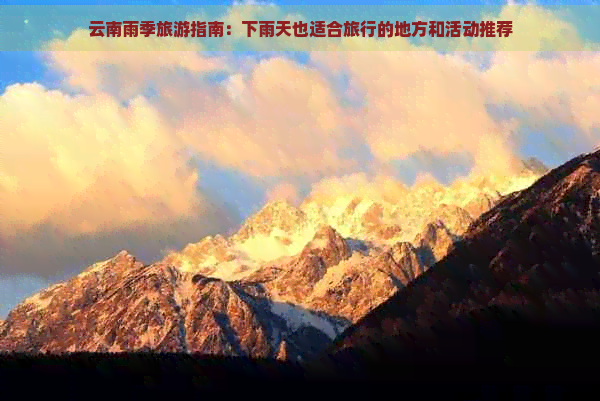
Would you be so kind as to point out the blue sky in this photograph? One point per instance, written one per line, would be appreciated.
(281, 2)
(551, 142)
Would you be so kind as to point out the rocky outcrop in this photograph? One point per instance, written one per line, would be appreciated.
(456, 219)
(122, 305)
(282, 353)
(480, 205)
(214, 248)
(298, 276)
(434, 242)
(277, 214)
(328, 246)
(402, 262)
(355, 293)
(534, 165)
(226, 296)
(363, 283)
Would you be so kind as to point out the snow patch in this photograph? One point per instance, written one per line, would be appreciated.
(95, 268)
(265, 248)
(186, 266)
(36, 299)
(517, 184)
(184, 290)
(209, 261)
(336, 274)
(339, 206)
(319, 243)
(233, 270)
(363, 206)
(297, 317)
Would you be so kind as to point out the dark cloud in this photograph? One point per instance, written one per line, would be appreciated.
(49, 253)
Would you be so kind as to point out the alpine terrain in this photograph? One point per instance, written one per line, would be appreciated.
(292, 279)
(525, 275)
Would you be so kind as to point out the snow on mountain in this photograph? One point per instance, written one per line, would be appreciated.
(124, 306)
(273, 246)
(287, 282)
(297, 317)
(282, 230)
(528, 265)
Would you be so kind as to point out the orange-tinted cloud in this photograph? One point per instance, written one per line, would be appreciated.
(86, 62)
(561, 88)
(284, 191)
(361, 185)
(282, 119)
(424, 101)
(88, 164)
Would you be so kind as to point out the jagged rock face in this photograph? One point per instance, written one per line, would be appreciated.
(327, 277)
(368, 282)
(326, 249)
(387, 231)
(215, 247)
(538, 247)
(374, 223)
(434, 242)
(218, 320)
(535, 166)
(480, 205)
(278, 214)
(328, 246)
(403, 262)
(372, 218)
(62, 318)
(123, 305)
(359, 291)
(220, 296)
(352, 207)
(456, 219)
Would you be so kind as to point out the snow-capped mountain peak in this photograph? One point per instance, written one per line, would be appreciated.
(288, 277)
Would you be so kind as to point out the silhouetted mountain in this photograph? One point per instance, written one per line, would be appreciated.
(526, 271)
(513, 298)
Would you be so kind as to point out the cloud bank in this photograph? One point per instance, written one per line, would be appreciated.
(106, 161)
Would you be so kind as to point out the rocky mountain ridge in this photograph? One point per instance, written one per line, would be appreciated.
(285, 285)
(535, 255)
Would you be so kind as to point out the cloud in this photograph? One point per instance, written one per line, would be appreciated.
(277, 118)
(85, 163)
(284, 191)
(127, 64)
(564, 87)
(361, 185)
(270, 118)
(281, 119)
(82, 177)
(536, 28)
(424, 101)
(48, 252)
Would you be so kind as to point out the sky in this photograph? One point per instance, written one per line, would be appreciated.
(119, 145)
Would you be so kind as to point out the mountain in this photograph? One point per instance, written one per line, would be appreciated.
(284, 285)
(275, 216)
(531, 262)
(123, 305)
(534, 165)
